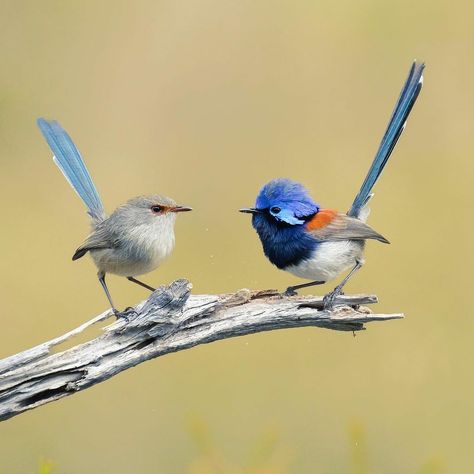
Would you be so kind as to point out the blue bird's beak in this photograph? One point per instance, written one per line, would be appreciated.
(250, 210)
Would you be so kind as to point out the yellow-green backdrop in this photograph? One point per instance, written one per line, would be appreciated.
(205, 101)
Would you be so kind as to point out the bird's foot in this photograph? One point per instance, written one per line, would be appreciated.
(126, 314)
(290, 291)
(330, 299)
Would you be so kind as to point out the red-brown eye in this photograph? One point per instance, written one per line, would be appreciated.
(156, 209)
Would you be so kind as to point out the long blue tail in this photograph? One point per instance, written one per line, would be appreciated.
(397, 123)
(69, 161)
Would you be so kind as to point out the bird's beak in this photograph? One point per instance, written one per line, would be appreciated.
(250, 210)
(180, 209)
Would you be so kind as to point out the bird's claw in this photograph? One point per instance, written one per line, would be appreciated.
(290, 291)
(126, 314)
(330, 299)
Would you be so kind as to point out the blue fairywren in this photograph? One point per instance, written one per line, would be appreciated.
(318, 244)
(135, 238)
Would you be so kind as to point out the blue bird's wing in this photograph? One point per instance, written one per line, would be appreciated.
(397, 123)
(342, 227)
(69, 161)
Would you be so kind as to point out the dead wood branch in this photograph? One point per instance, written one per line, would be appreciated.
(169, 320)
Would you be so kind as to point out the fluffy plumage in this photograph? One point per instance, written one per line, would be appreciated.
(329, 260)
(135, 238)
(318, 244)
(294, 229)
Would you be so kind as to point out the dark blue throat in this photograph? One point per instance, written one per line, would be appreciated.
(282, 243)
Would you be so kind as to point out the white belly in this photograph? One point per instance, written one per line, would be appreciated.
(328, 260)
(119, 263)
(144, 252)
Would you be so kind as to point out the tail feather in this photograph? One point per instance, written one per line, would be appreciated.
(70, 162)
(397, 123)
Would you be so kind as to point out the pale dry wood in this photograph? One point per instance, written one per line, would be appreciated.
(169, 320)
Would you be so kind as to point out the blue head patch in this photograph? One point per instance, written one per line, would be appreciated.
(286, 201)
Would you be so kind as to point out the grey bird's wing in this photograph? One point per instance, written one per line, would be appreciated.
(343, 227)
(99, 239)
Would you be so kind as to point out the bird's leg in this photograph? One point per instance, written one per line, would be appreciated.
(118, 314)
(291, 290)
(107, 293)
(331, 297)
(138, 282)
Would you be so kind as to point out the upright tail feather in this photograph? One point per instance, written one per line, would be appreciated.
(397, 123)
(69, 161)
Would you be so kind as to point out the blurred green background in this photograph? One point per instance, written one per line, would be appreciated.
(205, 101)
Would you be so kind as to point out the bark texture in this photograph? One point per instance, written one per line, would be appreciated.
(170, 320)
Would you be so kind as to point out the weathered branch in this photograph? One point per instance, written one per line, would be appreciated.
(170, 320)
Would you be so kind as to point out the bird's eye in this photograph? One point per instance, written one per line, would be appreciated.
(275, 210)
(156, 209)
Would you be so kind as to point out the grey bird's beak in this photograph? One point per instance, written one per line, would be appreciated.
(181, 209)
(250, 210)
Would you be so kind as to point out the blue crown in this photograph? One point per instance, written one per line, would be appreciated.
(285, 193)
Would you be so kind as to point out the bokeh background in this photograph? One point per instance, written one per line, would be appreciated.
(205, 101)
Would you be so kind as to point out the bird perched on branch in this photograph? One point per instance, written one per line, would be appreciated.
(135, 238)
(318, 244)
